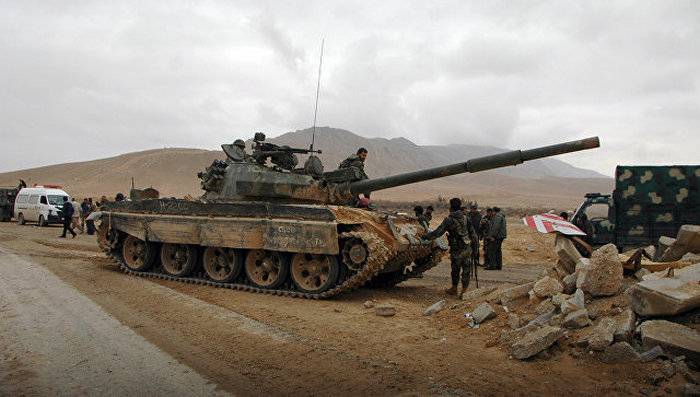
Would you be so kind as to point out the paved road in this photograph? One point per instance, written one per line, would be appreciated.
(58, 342)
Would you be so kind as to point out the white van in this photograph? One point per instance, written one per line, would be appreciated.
(39, 204)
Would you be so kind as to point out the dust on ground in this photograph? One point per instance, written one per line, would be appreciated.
(255, 344)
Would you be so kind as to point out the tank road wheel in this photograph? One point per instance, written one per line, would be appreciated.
(178, 259)
(314, 273)
(138, 255)
(222, 264)
(355, 253)
(266, 269)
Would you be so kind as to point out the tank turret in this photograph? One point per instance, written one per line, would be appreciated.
(253, 180)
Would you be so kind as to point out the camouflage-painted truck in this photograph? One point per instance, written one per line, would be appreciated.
(648, 202)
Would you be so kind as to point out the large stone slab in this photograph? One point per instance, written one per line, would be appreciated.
(620, 352)
(536, 341)
(567, 253)
(547, 287)
(478, 293)
(483, 312)
(603, 334)
(626, 322)
(673, 338)
(667, 296)
(688, 240)
(514, 293)
(603, 277)
(577, 319)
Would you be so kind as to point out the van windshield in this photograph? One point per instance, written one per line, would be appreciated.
(56, 199)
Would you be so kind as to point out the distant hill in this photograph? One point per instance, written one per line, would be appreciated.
(173, 171)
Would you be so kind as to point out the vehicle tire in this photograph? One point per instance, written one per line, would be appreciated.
(314, 273)
(266, 269)
(178, 259)
(41, 222)
(20, 219)
(138, 255)
(222, 264)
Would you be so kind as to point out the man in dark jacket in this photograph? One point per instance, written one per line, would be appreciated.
(459, 232)
(67, 217)
(495, 236)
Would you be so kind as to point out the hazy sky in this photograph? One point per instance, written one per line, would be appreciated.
(84, 80)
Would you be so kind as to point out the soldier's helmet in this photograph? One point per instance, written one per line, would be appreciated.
(240, 143)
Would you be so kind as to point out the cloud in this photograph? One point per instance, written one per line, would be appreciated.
(89, 80)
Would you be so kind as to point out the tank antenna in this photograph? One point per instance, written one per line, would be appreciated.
(318, 89)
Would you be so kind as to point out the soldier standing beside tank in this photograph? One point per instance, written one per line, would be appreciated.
(459, 232)
(474, 217)
(428, 214)
(496, 235)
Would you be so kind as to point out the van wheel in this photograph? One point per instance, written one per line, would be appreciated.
(42, 221)
(20, 219)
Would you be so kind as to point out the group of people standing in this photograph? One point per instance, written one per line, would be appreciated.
(75, 216)
(465, 228)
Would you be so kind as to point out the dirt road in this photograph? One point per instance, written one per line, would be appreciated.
(252, 344)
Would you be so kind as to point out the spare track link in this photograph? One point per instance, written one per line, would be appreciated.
(378, 257)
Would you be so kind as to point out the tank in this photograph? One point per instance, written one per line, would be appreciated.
(265, 225)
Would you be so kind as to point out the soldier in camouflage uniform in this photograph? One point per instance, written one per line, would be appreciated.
(459, 232)
(357, 161)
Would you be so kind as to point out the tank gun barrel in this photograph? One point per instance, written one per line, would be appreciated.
(485, 163)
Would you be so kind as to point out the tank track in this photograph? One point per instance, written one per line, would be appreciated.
(417, 270)
(378, 258)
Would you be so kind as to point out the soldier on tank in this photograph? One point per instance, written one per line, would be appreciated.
(357, 161)
(459, 231)
(236, 152)
(422, 216)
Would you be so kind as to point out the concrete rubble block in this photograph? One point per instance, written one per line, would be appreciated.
(385, 310)
(673, 338)
(604, 276)
(652, 354)
(639, 274)
(620, 352)
(577, 301)
(650, 250)
(567, 253)
(569, 283)
(547, 287)
(626, 322)
(545, 306)
(603, 334)
(667, 296)
(478, 293)
(687, 240)
(536, 341)
(577, 319)
(514, 293)
(368, 304)
(662, 247)
(482, 313)
(558, 299)
(435, 307)
(513, 321)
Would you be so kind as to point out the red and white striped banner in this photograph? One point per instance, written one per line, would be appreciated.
(549, 223)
